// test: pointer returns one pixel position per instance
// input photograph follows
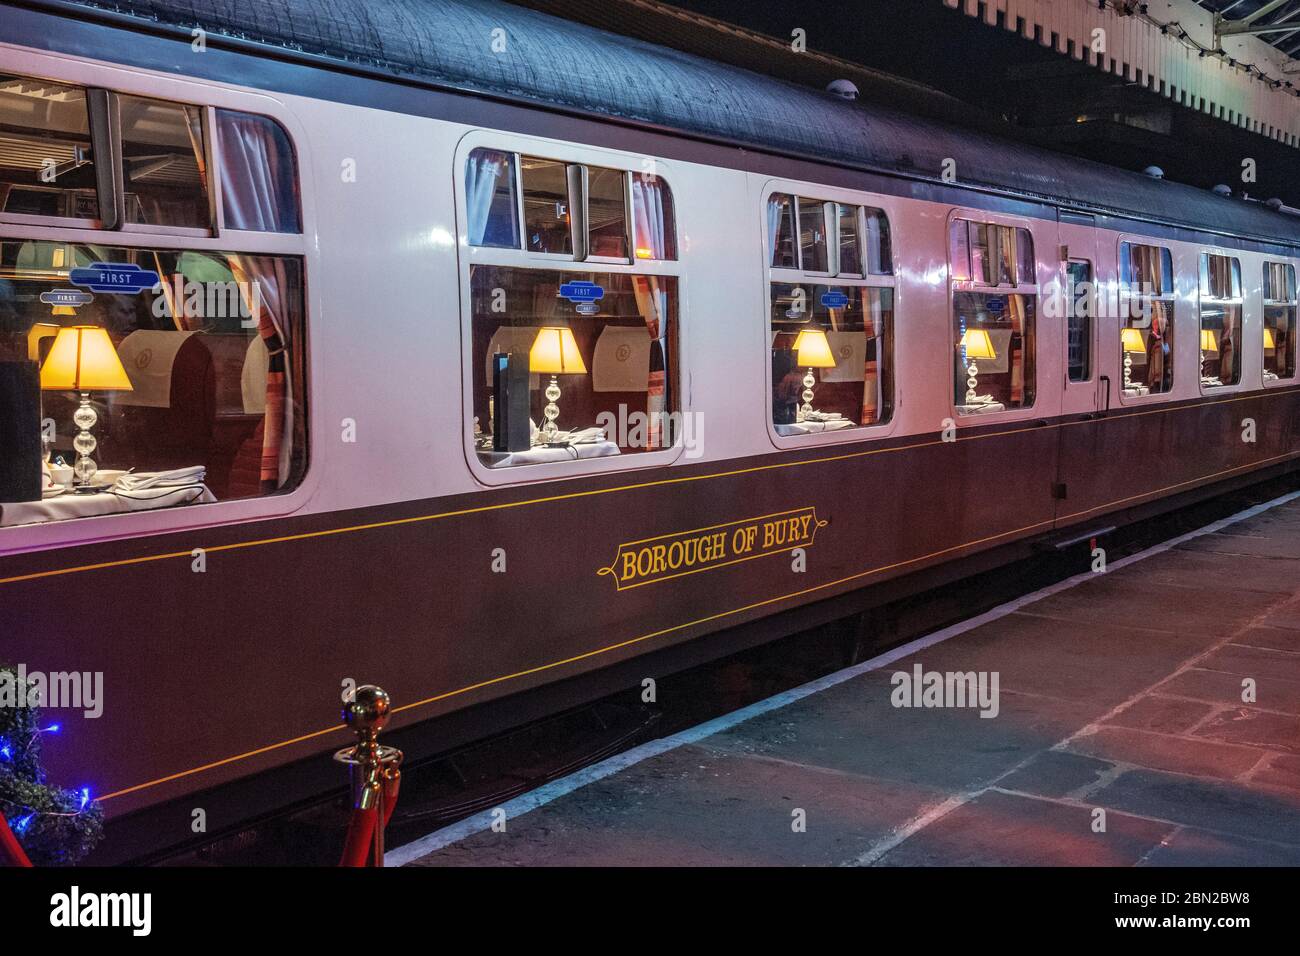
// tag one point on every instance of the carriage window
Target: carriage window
(550, 188)
(994, 313)
(259, 175)
(1147, 314)
(813, 241)
(164, 166)
(831, 357)
(606, 217)
(47, 166)
(990, 254)
(782, 252)
(831, 341)
(577, 364)
(546, 205)
(654, 221)
(171, 377)
(850, 257)
(1279, 321)
(855, 243)
(1080, 303)
(995, 351)
(1221, 328)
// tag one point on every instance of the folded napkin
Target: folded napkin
(160, 481)
(581, 437)
(816, 416)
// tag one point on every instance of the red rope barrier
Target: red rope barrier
(11, 851)
(360, 840)
(359, 844)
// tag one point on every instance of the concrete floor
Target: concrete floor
(1123, 694)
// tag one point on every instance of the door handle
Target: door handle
(1106, 379)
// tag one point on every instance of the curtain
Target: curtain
(775, 212)
(482, 170)
(874, 327)
(1016, 307)
(259, 189)
(650, 303)
(269, 310)
(648, 217)
(1227, 347)
(1157, 346)
(1006, 255)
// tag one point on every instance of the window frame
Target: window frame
(46, 535)
(1172, 296)
(104, 117)
(518, 145)
(832, 197)
(1265, 304)
(1093, 326)
(1202, 259)
(1033, 290)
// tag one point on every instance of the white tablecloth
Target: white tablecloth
(69, 505)
(981, 409)
(544, 453)
(812, 428)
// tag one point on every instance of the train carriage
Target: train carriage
(480, 354)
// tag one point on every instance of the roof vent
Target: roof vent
(1275, 204)
(844, 89)
(1222, 190)
(1155, 172)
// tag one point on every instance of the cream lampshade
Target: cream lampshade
(1270, 343)
(1208, 342)
(554, 352)
(83, 359)
(812, 350)
(977, 344)
(1131, 342)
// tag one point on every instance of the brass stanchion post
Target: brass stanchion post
(373, 768)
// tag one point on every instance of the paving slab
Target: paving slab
(1001, 829)
(1165, 715)
(1128, 693)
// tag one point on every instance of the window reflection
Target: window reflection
(47, 167)
(831, 357)
(593, 352)
(164, 168)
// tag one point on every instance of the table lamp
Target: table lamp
(1131, 341)
(812, 350)
(83, 359)
(1270, 343)
(1209, 346)
(554, 352)
(976, 344)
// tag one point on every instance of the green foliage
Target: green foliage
(60, 833)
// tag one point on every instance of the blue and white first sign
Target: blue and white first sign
(122, 278)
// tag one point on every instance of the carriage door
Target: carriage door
(1083, 381)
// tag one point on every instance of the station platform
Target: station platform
(1119, 692)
